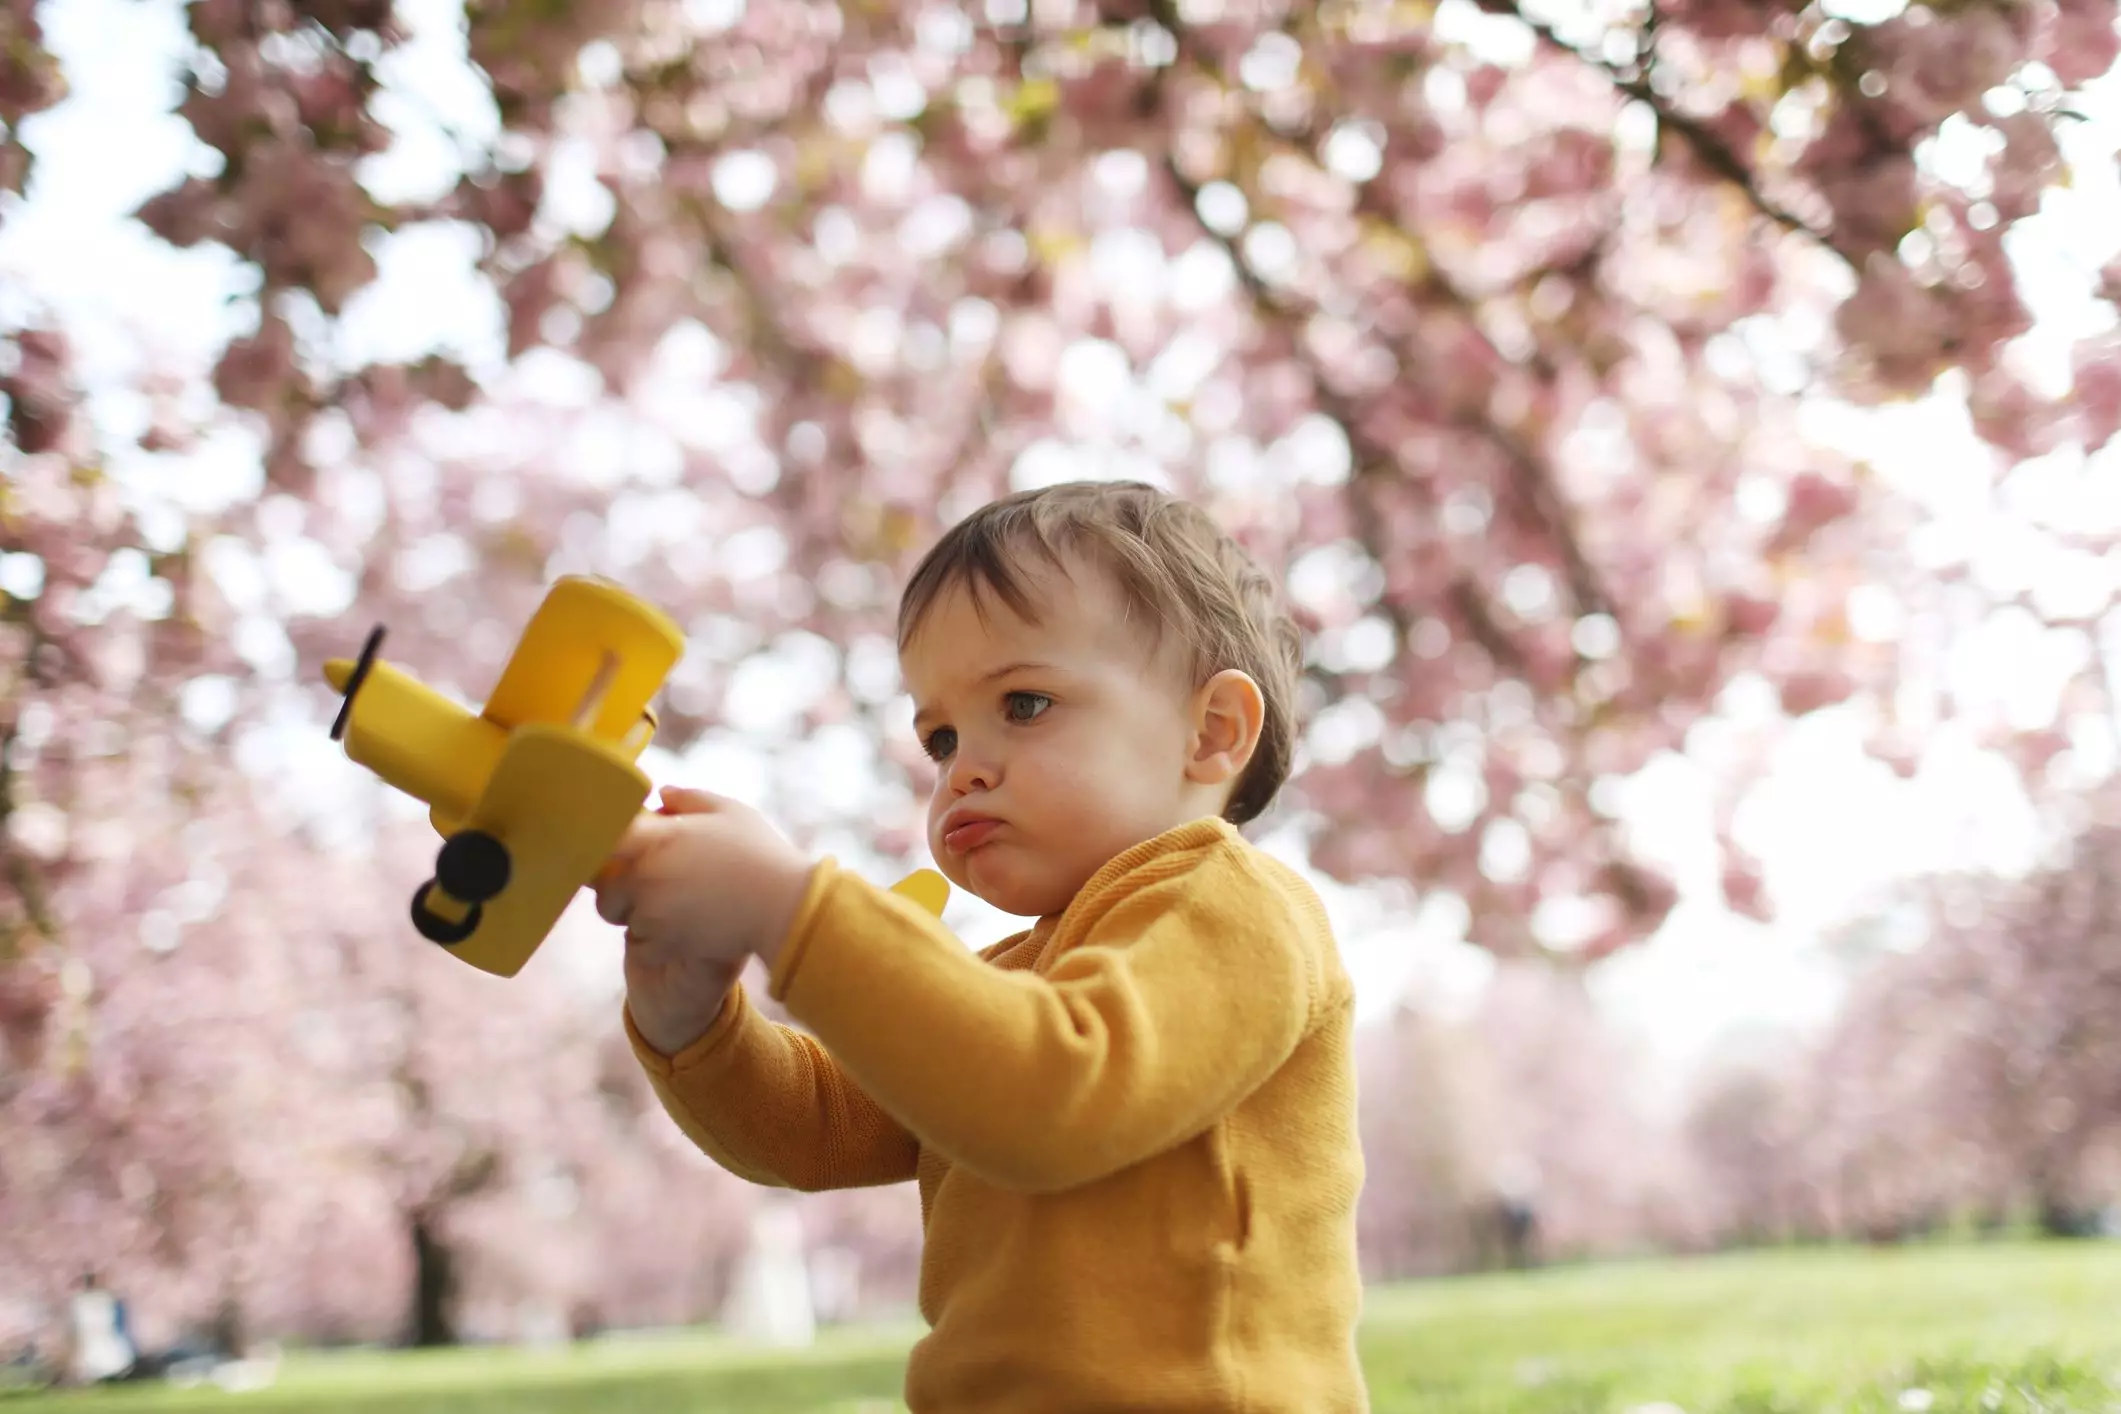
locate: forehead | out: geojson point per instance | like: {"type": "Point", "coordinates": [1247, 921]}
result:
{"type": "Point", "coordinates": [1078, 618]}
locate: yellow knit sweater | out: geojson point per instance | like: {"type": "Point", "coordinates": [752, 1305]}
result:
{"type": "Point", "coordinates": [1133, 1128]}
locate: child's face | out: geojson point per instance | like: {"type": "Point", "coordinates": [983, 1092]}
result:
{"type": "Point", "coordinates": [1057, 744]}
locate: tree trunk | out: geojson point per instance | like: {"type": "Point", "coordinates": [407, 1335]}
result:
{"type": "Point", "coordinates": [433, 1286]}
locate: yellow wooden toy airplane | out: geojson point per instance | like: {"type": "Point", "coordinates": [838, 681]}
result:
{"type": "Point", "coordinates": [531, 794]}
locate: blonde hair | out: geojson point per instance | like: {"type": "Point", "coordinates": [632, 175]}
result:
{"type": "Point", "coordinates": [1175, 566]}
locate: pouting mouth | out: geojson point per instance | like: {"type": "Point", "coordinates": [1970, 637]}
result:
{"type": "Point", "coordinates": [968, 832]}
{"type": "Point", "coordinates": [349, 677]}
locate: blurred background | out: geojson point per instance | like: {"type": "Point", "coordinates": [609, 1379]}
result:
{"type": "Point", "coordinates": [1684, 429]}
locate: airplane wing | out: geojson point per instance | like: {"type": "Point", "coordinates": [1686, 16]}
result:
{"type": "Point", "coordinates": [590, 644]}
{"type": "Point", "coordinates": [925, 887]}
{"type": "Point", "coordinates": [558, 803]}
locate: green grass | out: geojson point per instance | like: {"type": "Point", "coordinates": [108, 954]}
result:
{"type": "Point", "coordinates": [1986, 1330]}
{"type": "Point", "coordinates": [2005, 1329]}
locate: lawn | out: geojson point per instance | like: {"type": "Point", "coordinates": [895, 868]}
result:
{"type": "Point", "coordinates": [2004, 1329]}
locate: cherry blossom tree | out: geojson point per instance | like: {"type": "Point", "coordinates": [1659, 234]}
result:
{"type": "Point", "coordinates": [1534, 1103]}
{"type": "Point", "coordinates": [1493, 327]}
{"type": "Point", "coordinates": [1973, 1076]}
{"type": "Point", "coordinates": [265, 1103]}
{"type": "Point", "coordinates": [229, 1085]}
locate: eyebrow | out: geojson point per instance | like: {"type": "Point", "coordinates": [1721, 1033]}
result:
{"type": "Point", "coordinates": [1022, 665]}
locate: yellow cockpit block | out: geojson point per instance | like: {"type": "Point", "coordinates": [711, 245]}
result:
{"type": "Point", "coordinates": [593, 657]}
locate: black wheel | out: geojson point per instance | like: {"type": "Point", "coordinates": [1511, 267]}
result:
{"type": "Point", "coordinates": [472, 866]}
{"type": "Point", "coordinates": [354, 680]}
{"type": "Point", "coordinates": [437, 929]}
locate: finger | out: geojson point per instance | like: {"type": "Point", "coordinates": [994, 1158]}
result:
{"type": "Point", "coordinates": [619, 867]}
{"type": "Point", "coordinates": [642, 835]}
{"type": "Point", "coordinates": [688, 800]}
{"type": "Point", "coordinates": [615, 902]}
{"type": "Point", "coordinates": [644, 946]}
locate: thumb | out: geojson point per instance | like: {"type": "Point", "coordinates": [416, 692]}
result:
{"type": "Point", "coordinates": [686, 800]}
{"type": "Point", "coordinates": [642, 835]}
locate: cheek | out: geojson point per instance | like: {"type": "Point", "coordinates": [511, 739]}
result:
{"type": "Point", "coordinates": [1046, 768]}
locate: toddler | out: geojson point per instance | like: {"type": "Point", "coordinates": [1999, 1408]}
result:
{"type": "Point", "coordinates": [1133, 1125]}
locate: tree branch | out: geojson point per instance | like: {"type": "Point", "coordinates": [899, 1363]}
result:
{"type": "Point", "coordinates": [1374, 464]}
{"type": "Point", "coordinates": [1533, 476]}
{"type": "Point", "coordinates": [1526, 466]}
{"type": "Point", "coordinates": [21, 872]}
{"type": "Point", "coordinates": [1708, 148]}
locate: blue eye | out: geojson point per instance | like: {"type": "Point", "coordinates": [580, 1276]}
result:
{"type": "Point", "coordinates": [1023, 706]}
{"type": "Point", "coordinates": [939, 743]}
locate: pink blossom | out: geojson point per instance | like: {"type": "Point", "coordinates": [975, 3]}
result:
{"type": "Point", "coordinates": [1574, 161]}
{"type": "Point", "coordinates": [1483, 83]}
{"type": "Point", "coordinates": [1901, 326]}
{"type": "Point", "coordinates": [2079, 40]}
{"type": "Point", "coordinates": [187, 214]}
{"type": "Point", "coordinates": [1724, 19]}
{"type": "Point", "coordinates": [245, 106]}
{"type": "Point", "coordinates": [306, 215]}
{"type": "Point", "coordinates": [2096, 365]}
{"type": "Point", "coordinates": [2026, 167]}
{"type": "Point", "coordinates": [331, 104]}
{"type": "Point", "coordinates": [258, 370]}
{"type": "Point", "coordinates": [1646, 894]}
{"type": "Point", "coordinates": [2010, 415]}
{"type": "Point", "coordinates": [1937, 64]}
{"type": "Point", "coordinates": [41, 400]}
{"type": "Point", "coordinates": [215, 23]}
{"type": "Point", "coordinates": [529, 295]}
{"type": "Point", "coordinates": [1744, 887]}
{"type": "Point", "coordinates": [342, 17]}
{"type": "Point", "coordinates": [1810, 689]}
{"type": "Point", "coordinates": [503, 202]}
{"type": "Point", "coordinates": [1750, 615]}
{"type": "Point", "coordinates": [2109, 287]}
{"type": "Point", "coordinates": [1985, 296]}
{"type": "Point", "coordinates": [30, 79]}
{"type": "Point", "coordinates": [1874, 203]}
{"type": "Point", "coordinates": [2033, 751]}
{"type": "Point", "coordinates": [1898, 750]}
{"type": "Point", "coordinates": [1814, 503]}
{"type": "Point", "coordinates": [531, 63]}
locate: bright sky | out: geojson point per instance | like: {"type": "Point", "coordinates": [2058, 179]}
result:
{"type": "Point", "coordinates": [1832, 827]}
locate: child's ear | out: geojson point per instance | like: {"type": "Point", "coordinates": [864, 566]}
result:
{"type": "Point", "coordinates": [1228, 712]}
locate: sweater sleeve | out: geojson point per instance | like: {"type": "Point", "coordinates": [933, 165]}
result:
{"type": "Point", "coordinates": [1188, 991]}
{"type": "Point", "coordinates": [768, 1104]}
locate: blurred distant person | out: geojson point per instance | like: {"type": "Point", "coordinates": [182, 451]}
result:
{"type": "Point", "coordinates": [1134, 1123]}
{"type": "Point", "coordinates": [99, 1348]}
{"type": "Point", "coordinates": [1516, 1214]}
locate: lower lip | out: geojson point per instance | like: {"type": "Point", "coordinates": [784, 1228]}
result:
{"type": "Point", "coordinates": [972, 836]}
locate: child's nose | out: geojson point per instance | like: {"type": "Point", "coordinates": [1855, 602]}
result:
{"type": "Point", "coordinates": [969, 773]}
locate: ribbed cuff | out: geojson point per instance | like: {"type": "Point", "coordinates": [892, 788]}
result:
{"type": "Point", "coordinates": [797, 942]}
{"type": "Point", "coordinates": [717, 1033]}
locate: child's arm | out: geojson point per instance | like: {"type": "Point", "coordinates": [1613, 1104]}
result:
{"type": "Point", "coordinates": [1188, 992]}
{"type": "Point", "coordinates": [769, 1105]}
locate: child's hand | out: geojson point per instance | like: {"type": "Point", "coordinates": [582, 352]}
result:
{"type": "Point", "coordinates": [698, 887]}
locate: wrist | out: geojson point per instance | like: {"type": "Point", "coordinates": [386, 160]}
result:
{"type": "Point", "coordinates": [671, 1033]}
{"type": "Point", "coordinates": [789, 881]}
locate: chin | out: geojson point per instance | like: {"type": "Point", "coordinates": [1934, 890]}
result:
{"type": "Point", "coordinates": [1011, 893]}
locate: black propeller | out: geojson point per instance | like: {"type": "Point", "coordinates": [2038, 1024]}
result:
{"type": "Point", "coordinates": [359, 675]}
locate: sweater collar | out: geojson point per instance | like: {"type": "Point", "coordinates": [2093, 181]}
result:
{"type": "Point", "coordinates": [1194, 834]}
